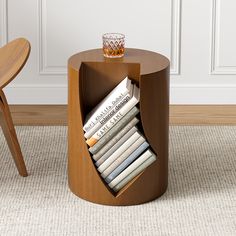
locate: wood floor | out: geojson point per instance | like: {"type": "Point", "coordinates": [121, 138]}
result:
{"type": "Point", "coordinates": [39, 114]}
{"type": "Point", "coordinates": [203, 114]}
{"type": "Point", "coordinates": [179, 114]}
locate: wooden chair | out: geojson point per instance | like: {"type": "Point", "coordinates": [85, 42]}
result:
{"type": "Point", "coordinates": [13, 57]}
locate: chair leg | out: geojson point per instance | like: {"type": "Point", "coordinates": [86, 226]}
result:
{"type": "Point", "coordinates": [10, 135]}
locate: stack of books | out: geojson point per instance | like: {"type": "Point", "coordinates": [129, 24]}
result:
{"type": "Point", "coordinates": [118, 148]}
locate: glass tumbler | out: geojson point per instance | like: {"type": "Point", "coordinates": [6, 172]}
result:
{"type": "Point", "coordinates": [113, 45]}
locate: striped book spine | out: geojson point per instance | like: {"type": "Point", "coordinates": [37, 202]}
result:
{"type": "Point", "coordinates": [122, 157]}
{"type": "Point", "coordinates": [117, 128]}
{"type": "Point", "coordinates": [115, 119]}
{"type": "Point", "coordinates": [127, 162]}
{"type": "Point", "coordinates": [115, 144]}
{"type": "Point", "coordinates": [135, 173]}
{"type": "Point", "coordinates": [111, 113]}
{"type": "Point", "coordinates": [118, 152]}
{"type": "Point", "coordinates": [131, 168]}
{"type": "Point", "coordinates": [107, 103]}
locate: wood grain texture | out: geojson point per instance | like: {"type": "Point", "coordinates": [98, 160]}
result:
{"type": "Point", "coordinates": [179, 114]}
{"type": "Point", "coordinates": [91, 77]}
{"type": "Point", "coordinates": [39, 114]}
{"type": "Point", "coordinates": [203, 114]}
{"type": "Point", "coordinates": [13, 57]}
{"type": "Point", "coordinates": [10, 135]}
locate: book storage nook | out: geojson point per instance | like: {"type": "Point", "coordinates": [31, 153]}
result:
{"type": "Point", "coordinates": [91, 77]}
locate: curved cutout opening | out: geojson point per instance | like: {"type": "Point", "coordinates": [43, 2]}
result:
{"type": "Point", "coordinates": [97, 80]}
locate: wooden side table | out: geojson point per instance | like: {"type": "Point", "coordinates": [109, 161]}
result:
{"type": "Point", "coordinates": [91, 77]}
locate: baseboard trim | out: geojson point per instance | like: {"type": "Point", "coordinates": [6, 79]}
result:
{"type": "Point", "coordinates": [179, 114]}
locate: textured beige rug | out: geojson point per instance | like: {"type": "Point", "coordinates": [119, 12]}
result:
{"type": "Point", "coordinates": [201, 198]}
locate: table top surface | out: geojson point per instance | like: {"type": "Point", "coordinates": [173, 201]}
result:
{"type": "Point", "coordinates": [150, 62]}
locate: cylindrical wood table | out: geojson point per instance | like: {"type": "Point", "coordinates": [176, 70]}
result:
{"type": "Point", "coordinates": [91, 77]}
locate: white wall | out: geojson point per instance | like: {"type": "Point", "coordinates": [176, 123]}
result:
{"type": "Point", "coordinates": [198, 36]}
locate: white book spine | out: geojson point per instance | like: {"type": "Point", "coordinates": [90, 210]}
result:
{"type": "Point", "coordinates": [130, 168]}
{"type": "Point", "coordinates": [118, 133]}
{"type": "Point", "coordinates": [136, 172]}
{"type": "Point", "coordinates": [118, 152]}
{"type": "Point", "coordinates": [123, 156]}
{"type": "Point", "coordinates": [102, 121]}
{"type": "Point", "coordinates": [114, 120]}
{"type": "Point", "coordinates": [114, 143]}
{"type": "Point", "coordinates": [107, 103]}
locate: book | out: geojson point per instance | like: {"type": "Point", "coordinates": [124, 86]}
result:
{"type": "Point", "coordinates": [130, 116]}
{"type": "Point", "coordinates": [115, 119]}
{"type": "Point", "coordinates": [118, 152]}
{"type": "Point", "coordinates": [127, 162]}
{"type": "Point", "coordinates": [130, 168]}
{"type": "Point", "coordinates": [113, 140]}
{"type": "Point", "coordinates": [105, 152]}
{"type": "Point", "coordinates": [135, 173]}
{"type": "Point", "coordinates": [111, 113]}
{"type": "Point", "coordinates": [123, 156]}
{"type": "Point", "coordinates": [107, 103]}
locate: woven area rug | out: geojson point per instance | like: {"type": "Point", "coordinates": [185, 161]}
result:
{"type": "Point", "coordinates": [200, 200]}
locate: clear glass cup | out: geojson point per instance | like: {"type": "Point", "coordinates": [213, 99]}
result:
{"type": "Point", "coordinates": [113, 45]}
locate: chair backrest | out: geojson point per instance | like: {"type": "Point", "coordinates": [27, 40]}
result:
{"type": "Point", "coordinates": [13, 57]}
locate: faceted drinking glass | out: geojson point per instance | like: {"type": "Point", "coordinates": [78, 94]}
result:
{"type": "Point", "coordinates": [113, 45]}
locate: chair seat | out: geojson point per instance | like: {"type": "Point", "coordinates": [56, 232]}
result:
{"type": "Point", "coordinates": [13, 57]}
